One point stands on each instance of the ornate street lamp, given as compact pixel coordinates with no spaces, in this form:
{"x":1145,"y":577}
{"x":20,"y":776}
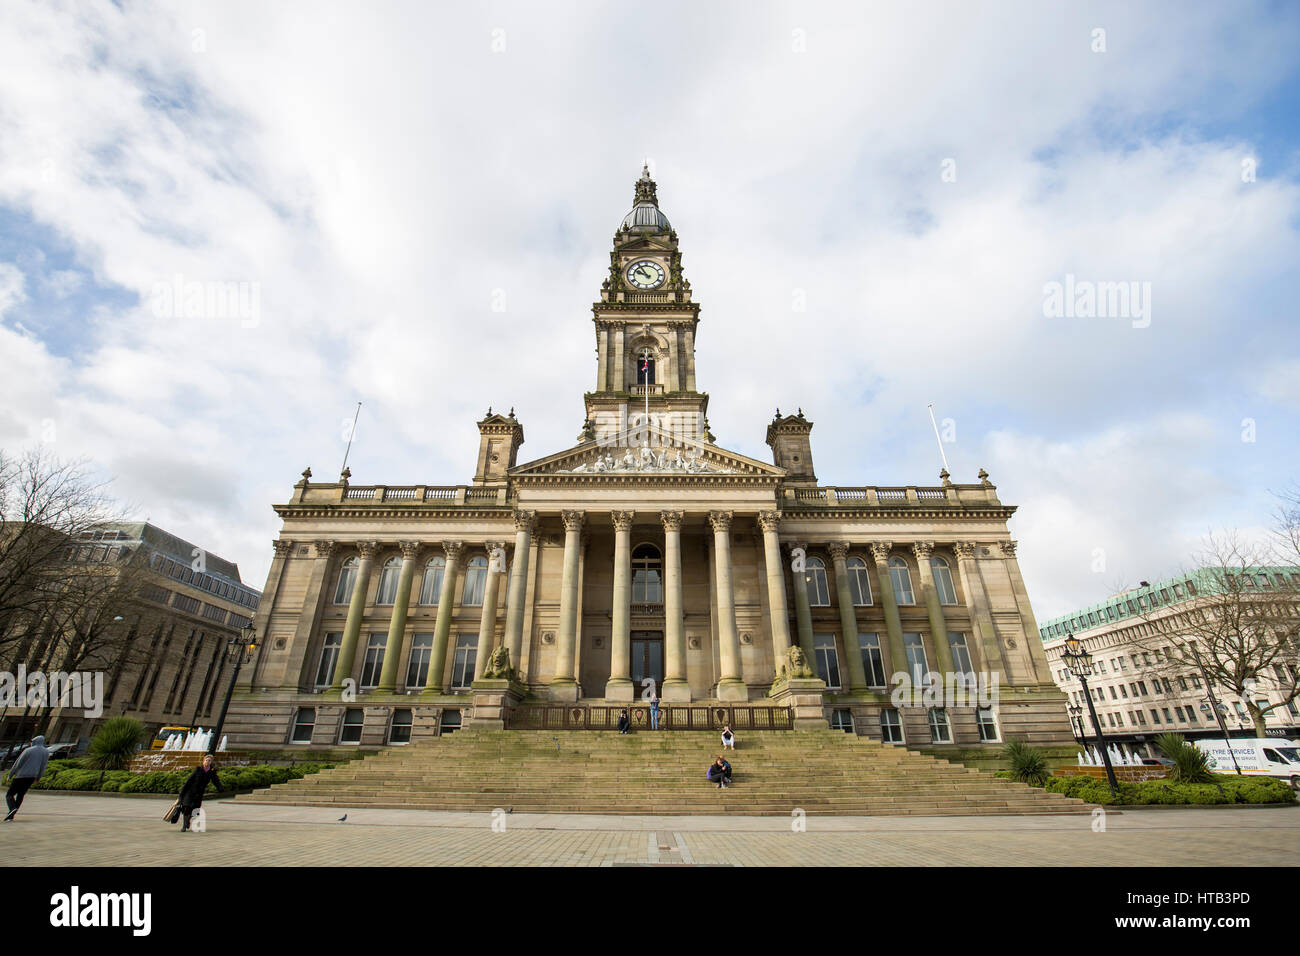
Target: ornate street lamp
{"x":241,"y":648}
{"x":1079,"y":662}
{"x":1076,"y":722}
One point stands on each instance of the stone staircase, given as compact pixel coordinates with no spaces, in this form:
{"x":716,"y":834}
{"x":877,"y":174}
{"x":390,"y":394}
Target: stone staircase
{"x":820,"y":771}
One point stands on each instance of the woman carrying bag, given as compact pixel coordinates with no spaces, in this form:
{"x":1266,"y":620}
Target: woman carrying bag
{"x":191,"y":795}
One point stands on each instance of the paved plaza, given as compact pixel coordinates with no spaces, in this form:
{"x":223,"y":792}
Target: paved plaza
{"x":70,"y":830}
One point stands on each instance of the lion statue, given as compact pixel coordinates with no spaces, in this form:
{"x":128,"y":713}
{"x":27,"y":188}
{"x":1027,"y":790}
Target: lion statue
{"x":798,"y":663}
{"x":498,"y":665}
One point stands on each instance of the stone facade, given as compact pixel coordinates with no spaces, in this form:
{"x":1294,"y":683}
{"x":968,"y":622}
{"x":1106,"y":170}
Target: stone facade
{"x":645,"y":551}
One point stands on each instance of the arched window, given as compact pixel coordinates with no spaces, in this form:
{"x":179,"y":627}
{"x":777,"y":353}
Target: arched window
{"x":819,"y":594}
{"x":901,"y":580}
{"x":647,"y":575}
{"x":859,"y":583}
{"x":943,"y":581}
{"x":347,"y":579}
{"x":475,"y":580}
{"x":431,"y":586}
{"x":645,"y":370}
{"x":388,"y":581}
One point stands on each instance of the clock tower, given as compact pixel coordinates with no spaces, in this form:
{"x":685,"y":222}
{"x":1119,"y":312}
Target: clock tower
{"x":645,"y":331}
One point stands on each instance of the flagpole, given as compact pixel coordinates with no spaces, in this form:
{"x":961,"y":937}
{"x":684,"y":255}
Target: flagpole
{"x":936,"y":436}
{"x":351,"y":435}
{"x":645,"y":354}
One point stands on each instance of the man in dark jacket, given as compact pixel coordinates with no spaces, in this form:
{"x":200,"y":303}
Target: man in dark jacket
{"x":191,"y":797}
{"x":27,"y":770}
{"x":719,"y":773}
{"x":624,"y":724}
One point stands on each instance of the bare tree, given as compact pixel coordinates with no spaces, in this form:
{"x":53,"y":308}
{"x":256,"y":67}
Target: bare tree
{"x":45,"y":506}
{"x":1238,"y":630}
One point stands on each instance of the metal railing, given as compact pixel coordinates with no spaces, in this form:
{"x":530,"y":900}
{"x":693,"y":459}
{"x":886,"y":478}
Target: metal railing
{"x":671,"y":717}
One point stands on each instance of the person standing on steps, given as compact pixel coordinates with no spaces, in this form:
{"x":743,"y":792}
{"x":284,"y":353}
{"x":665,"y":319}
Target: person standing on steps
{"x":191,"y":797}
{"x":624,"y":725}
{"x":654,"y":712}
{"x":728,"y":738}
{"x":26,"y":771}
{"x":719,"y":773}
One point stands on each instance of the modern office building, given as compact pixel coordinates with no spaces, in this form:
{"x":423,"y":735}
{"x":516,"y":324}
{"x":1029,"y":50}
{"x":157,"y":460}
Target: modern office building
{"x":1138,"y":685}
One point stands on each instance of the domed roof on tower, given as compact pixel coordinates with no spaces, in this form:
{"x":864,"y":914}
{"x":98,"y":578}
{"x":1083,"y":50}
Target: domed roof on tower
{"x":645,"y":215}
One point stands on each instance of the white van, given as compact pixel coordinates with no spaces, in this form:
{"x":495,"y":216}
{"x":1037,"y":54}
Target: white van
{"x":1256,"y":756}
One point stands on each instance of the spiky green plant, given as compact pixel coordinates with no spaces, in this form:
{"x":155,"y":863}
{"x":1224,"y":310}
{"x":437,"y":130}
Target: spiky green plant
{"x":1190,"y":764}
{"x":1027,"y":763}
{"x":114,"y":745}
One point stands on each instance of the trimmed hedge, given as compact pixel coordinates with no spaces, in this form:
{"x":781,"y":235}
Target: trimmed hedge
{"x":67,"y":777}
{"x":1234,"y":790}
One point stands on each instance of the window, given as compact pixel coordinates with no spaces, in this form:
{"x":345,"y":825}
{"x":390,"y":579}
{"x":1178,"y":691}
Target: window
{"x":1140,"y":718}
{"x":872,"y":662}
{"x":475,"y":581}
{"x":1155,"y":716}
{"x":462,"y":668}
{"x":1168,"y":718}
{"x":399,"y":731}
{"x":940,"y":732}
{"x":1123,"y":691}
{"x":943,"y":581}
{"x":917,"y":666}
{"x":842,"y":719}
{"x":902,"y":581}
{"x":388,"y":581}
{"x":347,"y":580}
{"x":1119,"y":718}
{"x":859,"y":583}
{"x":1113,"y":695}
{"x":961,"y":661}
{"x":1191,"y":714}
{"x":329,"y":657}
{"x":304,"y":722}
{"x":450,"y":722}
{"x":431,"y":585}
{"x":988,"y":723}
{"x":814,"y":577}
{"x":828,"y":661}
{"x":352,"y":721}
{"x":374,"y":662}
{"x":647,"y":575}
{"x":1241,"y":710}
{"x":645,"y":370}
{"x":891,"y":728}
{"x":417,"y":668}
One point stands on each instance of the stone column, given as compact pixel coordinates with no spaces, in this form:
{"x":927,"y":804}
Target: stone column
{"x":357,"y":607}
{"x":525,"y":522}
{"x":393,"y":650}
{"x":442,"y":628}
{"x":602,"y":353}
{"x":848,"y":616}
{"x":619,"y":361}
{"x":676,"y":686}
{"x":893,"y":624}
{"x":938,"y":625}
{"x":283,"y":549}
{"x":487,"y":628}
{"x":619,"y":687}
{"x":981,"y":615}
{"x":802,"y":612}
{"x":304,"y":652}
{"x":563,"y":686}
{"x":731,"y":684}
{"x":770,"y":521}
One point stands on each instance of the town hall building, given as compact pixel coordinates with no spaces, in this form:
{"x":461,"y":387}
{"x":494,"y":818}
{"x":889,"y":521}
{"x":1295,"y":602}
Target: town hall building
{"x":645,"y":559}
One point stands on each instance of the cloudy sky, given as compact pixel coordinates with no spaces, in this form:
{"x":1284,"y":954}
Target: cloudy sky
{"x":380,"y":175}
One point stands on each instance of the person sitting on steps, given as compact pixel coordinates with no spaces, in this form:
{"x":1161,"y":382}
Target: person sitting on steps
{"x":719,"y":773}
{"x":624,"y":724}
{"x":728,"y":738}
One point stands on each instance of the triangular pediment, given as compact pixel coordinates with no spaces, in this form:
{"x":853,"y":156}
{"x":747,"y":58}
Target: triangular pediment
{"x":649,"y":452}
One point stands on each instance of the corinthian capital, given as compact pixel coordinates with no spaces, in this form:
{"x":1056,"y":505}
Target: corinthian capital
{"x":623,"y":520}
{"x":282,"y":547}
{"x":325,"y":548}
{"x":839,"y":550}
{"x":368,"y":549}
{"x":410,"y":549}
{"x":721,"y":520}
{"x":573,"y":520}
{"x":964,"y":549}
{"x":525,"y":520}
{"x":880,"y":550}
{"x":453,"y":549}
{"x":769,"y":521}
{"x":672,"y":520}
{"x":1009,"y":548}
{"x":922,"y":549}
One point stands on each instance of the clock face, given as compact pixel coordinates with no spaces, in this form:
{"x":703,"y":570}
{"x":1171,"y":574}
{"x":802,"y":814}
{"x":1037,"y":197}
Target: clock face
{"x":645,"y":274}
